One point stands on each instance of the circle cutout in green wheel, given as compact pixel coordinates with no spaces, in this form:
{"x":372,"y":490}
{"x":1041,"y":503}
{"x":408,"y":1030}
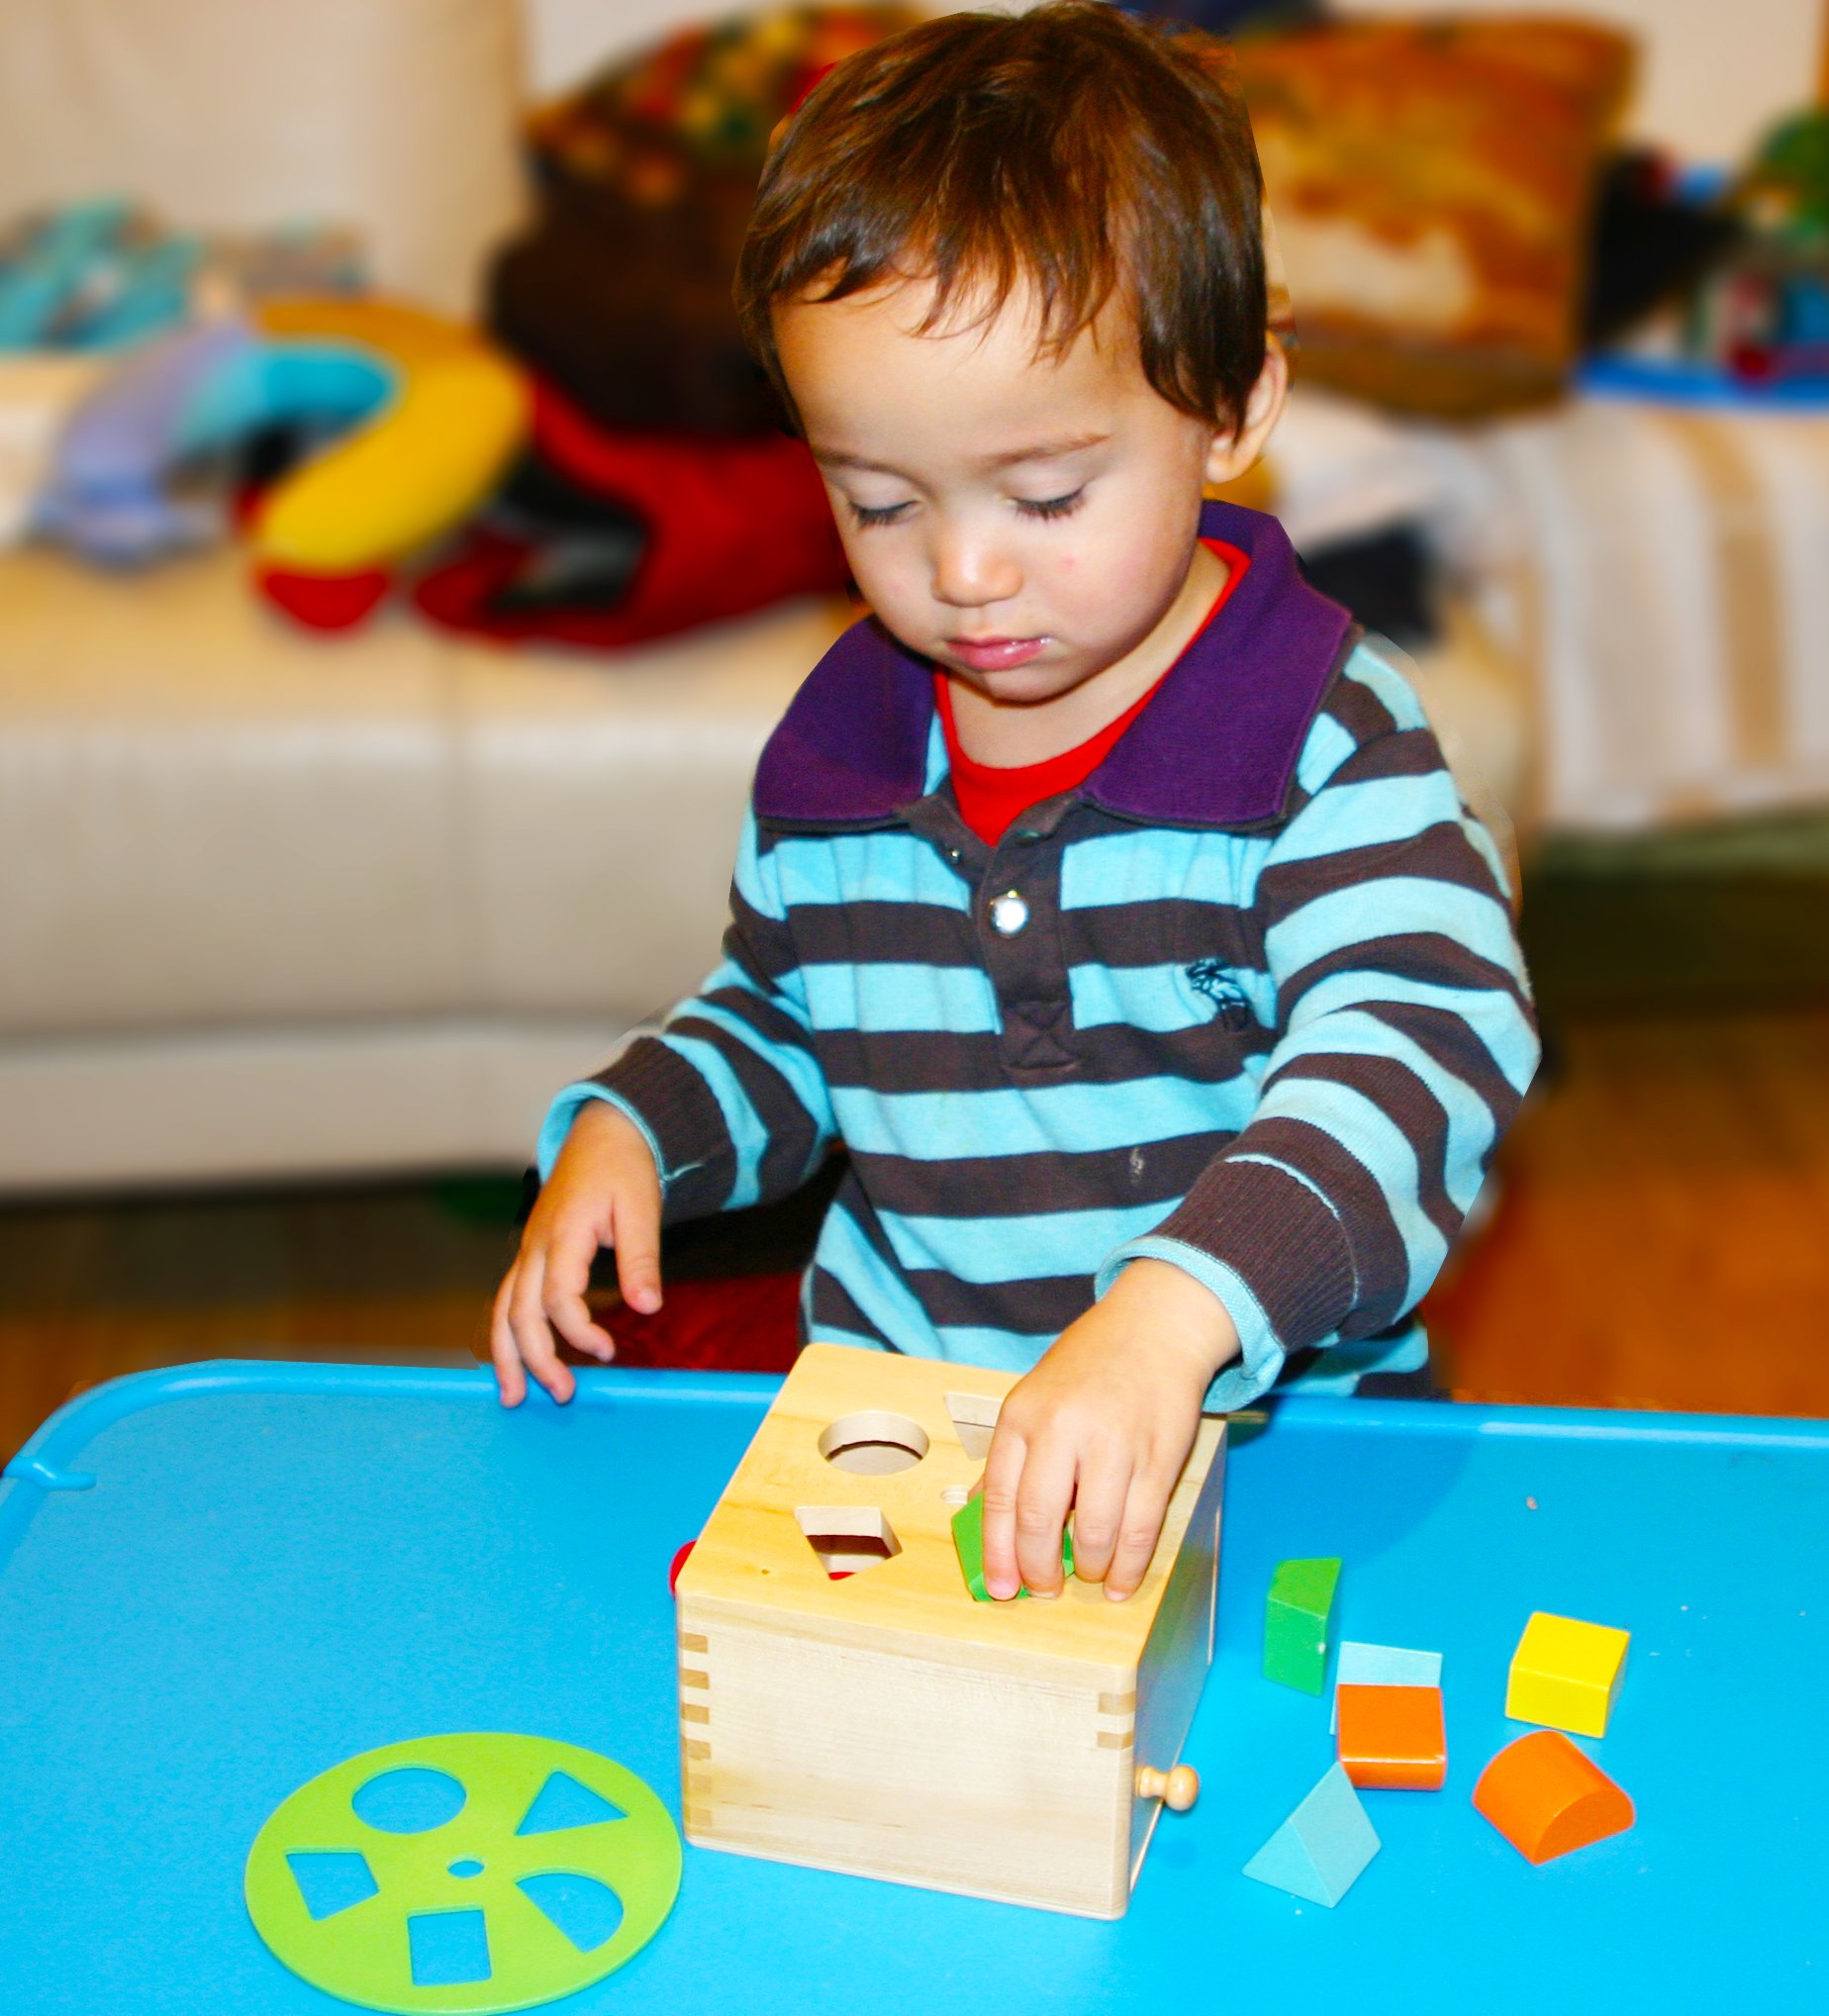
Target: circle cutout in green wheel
{"x":556,"y":1868}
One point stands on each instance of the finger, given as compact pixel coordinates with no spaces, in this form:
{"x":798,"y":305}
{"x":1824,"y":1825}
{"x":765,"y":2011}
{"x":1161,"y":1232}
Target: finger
{"x":527,"y":1318}
{"x":1098,"y":1511}
{"x":568,"y":1275}
{"x":511,"y":1380}
{"x":1042,"y":1500}
{"x":1003,"y":1476}
{"x":636,"y":1235}
{"x":1140,"y":1528}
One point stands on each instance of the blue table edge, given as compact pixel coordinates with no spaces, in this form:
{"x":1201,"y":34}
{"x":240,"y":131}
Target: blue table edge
{"x":49,"y":1459}
{"x":45,"y":1456}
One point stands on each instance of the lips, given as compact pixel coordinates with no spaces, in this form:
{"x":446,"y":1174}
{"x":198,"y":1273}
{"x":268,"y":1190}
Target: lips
{"x":995,"y":654}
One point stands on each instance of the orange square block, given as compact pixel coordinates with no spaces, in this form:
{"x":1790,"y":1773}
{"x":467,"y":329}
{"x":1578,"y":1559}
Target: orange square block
{"x":1391,"y":1739}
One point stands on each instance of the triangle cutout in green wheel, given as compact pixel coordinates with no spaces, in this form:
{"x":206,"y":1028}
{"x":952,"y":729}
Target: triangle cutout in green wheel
{"x":563,"y":1802}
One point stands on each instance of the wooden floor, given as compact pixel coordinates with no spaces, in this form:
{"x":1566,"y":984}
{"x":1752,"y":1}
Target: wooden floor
{"x":1662,"y":1236}
{"x":92,"y":1291}
{"x":1661,"y":1239}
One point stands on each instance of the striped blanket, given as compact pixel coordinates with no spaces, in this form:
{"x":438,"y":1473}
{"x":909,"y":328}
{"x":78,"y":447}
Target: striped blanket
{"x":1659,"y":574}
{"x":1662,"y":572}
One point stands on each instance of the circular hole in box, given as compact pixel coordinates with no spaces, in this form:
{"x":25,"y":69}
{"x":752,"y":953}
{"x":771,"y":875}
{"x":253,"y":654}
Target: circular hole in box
{"x":873,"y":1444}
{"x":955,"y":1495}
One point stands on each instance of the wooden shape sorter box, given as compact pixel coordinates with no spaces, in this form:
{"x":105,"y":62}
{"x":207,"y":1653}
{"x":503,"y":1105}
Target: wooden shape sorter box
{"x":880,"y":1721}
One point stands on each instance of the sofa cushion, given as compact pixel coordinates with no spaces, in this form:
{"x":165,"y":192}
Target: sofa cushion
{"x":209,"y":820}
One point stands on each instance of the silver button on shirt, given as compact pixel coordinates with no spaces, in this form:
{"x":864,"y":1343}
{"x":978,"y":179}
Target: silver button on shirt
{"x":1008,"y":913}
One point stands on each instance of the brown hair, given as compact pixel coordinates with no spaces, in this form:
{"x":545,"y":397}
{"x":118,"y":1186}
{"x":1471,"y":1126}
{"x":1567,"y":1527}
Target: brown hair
{"x":1072,"y":147}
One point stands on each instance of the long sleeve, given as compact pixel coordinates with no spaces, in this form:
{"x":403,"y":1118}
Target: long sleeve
{"x":1405,"y":1041}
{"x":726,"y":1089}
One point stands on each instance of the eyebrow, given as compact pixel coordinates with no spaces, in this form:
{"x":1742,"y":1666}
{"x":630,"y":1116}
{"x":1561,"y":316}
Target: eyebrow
{"x":1035,"y":452}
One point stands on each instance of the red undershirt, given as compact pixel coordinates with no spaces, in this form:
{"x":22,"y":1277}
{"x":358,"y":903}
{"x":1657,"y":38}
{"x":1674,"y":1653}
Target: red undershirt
{"x":993,"y":797}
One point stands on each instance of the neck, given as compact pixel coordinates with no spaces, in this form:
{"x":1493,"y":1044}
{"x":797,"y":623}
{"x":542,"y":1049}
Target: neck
{"x":1009,"y":733}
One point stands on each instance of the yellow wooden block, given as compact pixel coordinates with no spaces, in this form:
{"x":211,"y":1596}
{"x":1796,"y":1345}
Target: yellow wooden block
{"x":846,"y":1704}
{"x":1565,"y":1674}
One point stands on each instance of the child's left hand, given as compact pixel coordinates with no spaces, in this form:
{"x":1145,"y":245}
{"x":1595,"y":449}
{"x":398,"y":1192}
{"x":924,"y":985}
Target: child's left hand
{"x":1103,"y":1425}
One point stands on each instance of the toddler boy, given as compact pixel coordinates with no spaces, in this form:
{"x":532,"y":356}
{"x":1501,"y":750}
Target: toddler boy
{"x":1104,"y":892}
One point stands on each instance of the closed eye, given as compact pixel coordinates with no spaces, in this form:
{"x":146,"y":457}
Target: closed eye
{"x":878,"y":514}
{"x":1051,"y":507}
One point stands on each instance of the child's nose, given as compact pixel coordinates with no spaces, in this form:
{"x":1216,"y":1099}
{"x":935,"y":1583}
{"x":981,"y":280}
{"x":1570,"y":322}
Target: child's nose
{"x":970,"y":571}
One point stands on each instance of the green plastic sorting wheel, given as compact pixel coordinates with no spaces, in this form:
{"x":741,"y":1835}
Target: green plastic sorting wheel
{"x":436,"y":1909}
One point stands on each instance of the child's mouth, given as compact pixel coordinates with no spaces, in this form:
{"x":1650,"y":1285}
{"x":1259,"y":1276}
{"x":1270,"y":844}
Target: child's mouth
{"x":995,"y":654}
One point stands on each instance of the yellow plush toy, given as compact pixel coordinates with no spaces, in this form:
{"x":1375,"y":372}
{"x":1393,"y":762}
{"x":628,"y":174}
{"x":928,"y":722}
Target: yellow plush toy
{"x":421,"y":465}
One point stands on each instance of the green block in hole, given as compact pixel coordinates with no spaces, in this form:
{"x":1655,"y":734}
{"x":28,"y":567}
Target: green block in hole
{"x":1298,"y":1616}
{"x":968,"y":1531}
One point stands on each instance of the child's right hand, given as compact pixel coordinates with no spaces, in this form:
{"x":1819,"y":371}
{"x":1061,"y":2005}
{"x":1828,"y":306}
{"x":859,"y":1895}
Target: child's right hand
{"x":604,"y":1191}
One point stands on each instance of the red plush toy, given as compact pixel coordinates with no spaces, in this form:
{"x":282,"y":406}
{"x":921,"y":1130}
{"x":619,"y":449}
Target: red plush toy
{"x":723,"y":528}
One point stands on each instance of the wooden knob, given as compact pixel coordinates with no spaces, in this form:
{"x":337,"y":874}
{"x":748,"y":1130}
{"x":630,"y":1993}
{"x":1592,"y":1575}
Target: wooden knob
{"x":1177,"y":1789}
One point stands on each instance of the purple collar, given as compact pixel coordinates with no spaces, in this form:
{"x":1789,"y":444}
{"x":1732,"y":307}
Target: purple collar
{"x":1216,"y":747}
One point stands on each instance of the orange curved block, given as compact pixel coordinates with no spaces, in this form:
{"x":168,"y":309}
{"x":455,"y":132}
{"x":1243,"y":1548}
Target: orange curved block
{"x":1391,"y":1739}
{"x":1546,"y":1797}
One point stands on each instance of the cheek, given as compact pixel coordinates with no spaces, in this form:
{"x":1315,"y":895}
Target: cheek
{"x":1160,"y":540}
{"x":1112,"y":570}
{"x":885,"y":572}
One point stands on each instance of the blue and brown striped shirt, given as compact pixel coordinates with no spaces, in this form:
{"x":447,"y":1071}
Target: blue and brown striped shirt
{"x":1248,"y":999}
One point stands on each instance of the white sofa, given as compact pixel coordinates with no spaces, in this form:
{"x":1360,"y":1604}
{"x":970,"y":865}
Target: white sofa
{"x":274,"y":906}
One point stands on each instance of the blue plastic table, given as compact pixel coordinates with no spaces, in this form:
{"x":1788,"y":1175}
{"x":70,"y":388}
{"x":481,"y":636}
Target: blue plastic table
{"x":217,"y":1581}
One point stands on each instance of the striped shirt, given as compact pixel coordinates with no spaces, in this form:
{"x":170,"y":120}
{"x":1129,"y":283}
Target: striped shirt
{"x":1248,"y":999}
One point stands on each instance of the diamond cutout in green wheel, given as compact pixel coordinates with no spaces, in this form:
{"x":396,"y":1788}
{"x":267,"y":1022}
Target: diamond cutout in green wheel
{"x":456,"y":1903}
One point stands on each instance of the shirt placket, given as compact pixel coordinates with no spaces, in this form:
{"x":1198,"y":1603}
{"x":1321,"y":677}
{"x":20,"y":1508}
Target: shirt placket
{"x":1016,"y":921}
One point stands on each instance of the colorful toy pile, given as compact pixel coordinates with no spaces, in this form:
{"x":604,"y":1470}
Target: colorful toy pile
{"x":98,"y":275}
{"x":1764,"y":313}
{"x":618,"y":290}
{"x":413,"y":419}
{"x":397,"y":429}
{"x":90,"y":297}
{"x":709,"y":95}
{"x":601,"y":465}
{"x":1543,"y":1794}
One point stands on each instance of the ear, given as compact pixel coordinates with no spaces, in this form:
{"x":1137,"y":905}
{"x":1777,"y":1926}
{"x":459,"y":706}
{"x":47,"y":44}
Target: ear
{"x":1231,"y":455}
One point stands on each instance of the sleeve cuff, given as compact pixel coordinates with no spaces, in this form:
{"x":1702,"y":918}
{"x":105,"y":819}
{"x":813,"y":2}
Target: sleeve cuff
{"x":1261,"y":1354}
{"x":1280,"y":1236}
{"x":566,"y":1109}
{"x":672,"y":1106}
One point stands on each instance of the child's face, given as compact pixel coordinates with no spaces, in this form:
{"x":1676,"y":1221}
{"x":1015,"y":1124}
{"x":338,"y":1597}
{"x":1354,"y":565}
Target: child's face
{"x":1026,"y":521}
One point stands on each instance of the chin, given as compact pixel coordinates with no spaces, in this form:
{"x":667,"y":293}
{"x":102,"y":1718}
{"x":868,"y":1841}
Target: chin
{"x":1026,"y":686}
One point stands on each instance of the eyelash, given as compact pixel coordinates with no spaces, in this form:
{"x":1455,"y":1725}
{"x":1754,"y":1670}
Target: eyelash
{"x":1052,"y":507}
{"x":865,"y":515}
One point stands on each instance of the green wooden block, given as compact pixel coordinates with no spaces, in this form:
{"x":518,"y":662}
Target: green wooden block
{"x":1297,"y":1617}
{"x":968,"y":1531}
